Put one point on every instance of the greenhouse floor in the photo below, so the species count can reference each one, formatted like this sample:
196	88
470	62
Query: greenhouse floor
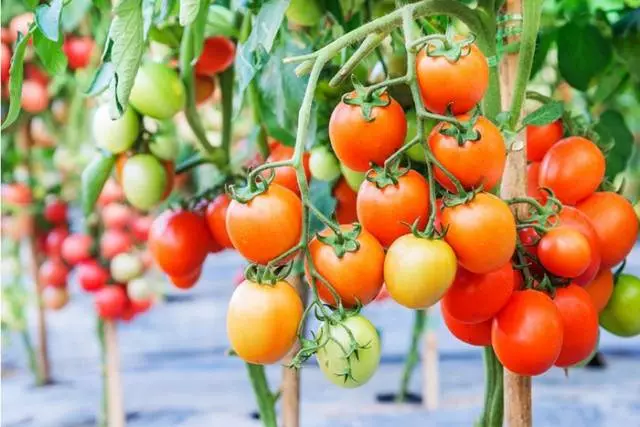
175	373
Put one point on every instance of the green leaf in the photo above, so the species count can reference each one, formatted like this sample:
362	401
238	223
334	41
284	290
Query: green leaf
321	196
188	11
50	53
94	176
583	53
547	113
544	42
16	75
198	27
612	127
73	13
220	22
48	19
626	40
610	81
148	9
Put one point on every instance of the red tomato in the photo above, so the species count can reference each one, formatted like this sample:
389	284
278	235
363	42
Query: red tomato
35	98
54	240
140	227
76	248
16	193
472	333
55	298
564	252
218	54
475	298
116	216
216	220
615	223
55	211
286	176
358	142
474	163
54	273
204	88
114	242
600	289
111	302
541	138
111	193
5	63
78	51
388	212
179	241
346	211
533	188
91	275
573	168
188	280
33	73
527	333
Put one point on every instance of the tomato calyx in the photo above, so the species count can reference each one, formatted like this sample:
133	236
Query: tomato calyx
387	175
256	184
342	241
366	99
268	275
463	131
462	198
449	46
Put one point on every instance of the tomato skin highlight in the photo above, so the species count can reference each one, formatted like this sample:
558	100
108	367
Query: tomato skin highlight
472	333
573	168
385	212
357	143
262	321
527	334
217	55
580	324
460	84
474	163
476	298
216	215
481	232
346	210
266	226
600	289
541	138
417	272
357	276
564	252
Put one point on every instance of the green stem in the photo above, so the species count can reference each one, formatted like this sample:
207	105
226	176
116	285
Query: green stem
266	401
103	416
31	355
226	90
420	318
191	163
496	409
489	384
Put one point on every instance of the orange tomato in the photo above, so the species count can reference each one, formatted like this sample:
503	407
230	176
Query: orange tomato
600	289
564	252
472	333
286	176
541	138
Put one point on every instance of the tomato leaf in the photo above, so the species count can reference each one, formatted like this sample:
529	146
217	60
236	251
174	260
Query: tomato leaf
544	42
48	19
320	193
148	10
94	176
16	74
611	127
198	29
50	53
547	113
610	82
583	53
188	11
220	22
73	13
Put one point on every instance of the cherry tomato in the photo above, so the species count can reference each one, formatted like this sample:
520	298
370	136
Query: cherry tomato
78	51
34	98
216	220
527	333
91	275
356	276
54	241
16	193
111	302
358	142
115	136
267	226
305	13
600	289
144	181
114	242
140	226
615	223
179	242
573	168
564	252
116	215
139	290
35	74
5	63
204	87
125	267
218	54
361	365
111	193
418	271
476	298
346	211
474	163
55	211
54	273
55	298
541	138
481	232
353	178
323	165
263	320
472	333
157	91
388	212
76	248
20	24
459	85
533	188
621	316
286	176
187	281
579	322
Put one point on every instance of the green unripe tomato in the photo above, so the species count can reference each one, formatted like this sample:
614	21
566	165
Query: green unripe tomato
417	152
333	361
382	7
143	181
305	13
353	178
115	136
157	91
621	316
164	147
139	289
125	267
323	164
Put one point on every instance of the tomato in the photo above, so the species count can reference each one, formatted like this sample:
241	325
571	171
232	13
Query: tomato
541	138
459	85
111	302
35	74
5	63
16	193
361	365
116	215
527	333
55	211
564	252
76	248
78	51
144	181
417	152
353	178
125	267
91	275
140	227
417	271
204	87
471	333
615	223
388	212
323	165
216	215
356	276
54	273
476	298
157	91
20	24
358	142
187	281
600	289
217	55
286	176
114	242
346	211
54	241
111	193
179	241
573	168
164	147
267	226
621	316
306	13
34	98
263	320
139	289
55	298
115	136
579	322
474	163
481	232
533	188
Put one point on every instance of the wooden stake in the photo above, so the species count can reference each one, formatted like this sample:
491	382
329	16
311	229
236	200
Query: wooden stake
430	377
115	406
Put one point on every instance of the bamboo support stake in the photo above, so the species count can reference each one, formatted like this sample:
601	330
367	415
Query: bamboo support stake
115	406
430	376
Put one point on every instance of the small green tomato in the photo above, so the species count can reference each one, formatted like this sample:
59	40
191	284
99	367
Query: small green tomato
323	164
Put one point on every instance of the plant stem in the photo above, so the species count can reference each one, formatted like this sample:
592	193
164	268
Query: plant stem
420	318
266	401
226	90
103	416
31	354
